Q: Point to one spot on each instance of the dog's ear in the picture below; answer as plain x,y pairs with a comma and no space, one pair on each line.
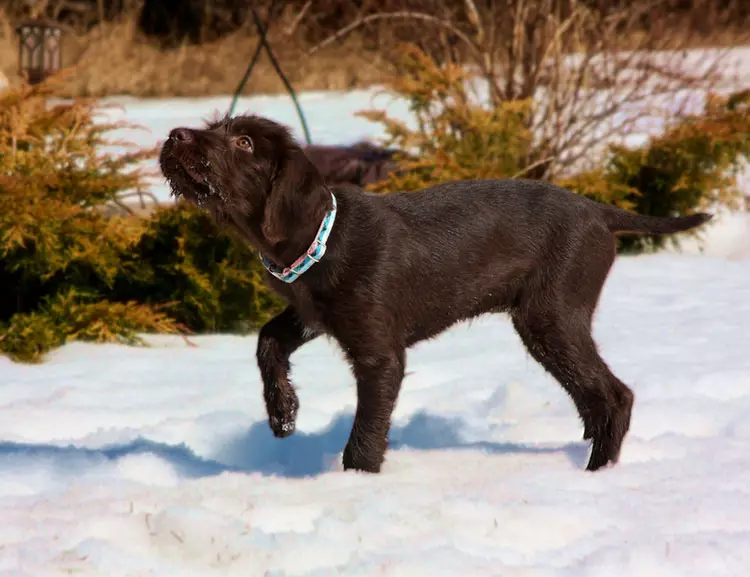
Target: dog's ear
297,199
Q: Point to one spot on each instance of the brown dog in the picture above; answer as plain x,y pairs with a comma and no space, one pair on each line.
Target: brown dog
360,164
380,273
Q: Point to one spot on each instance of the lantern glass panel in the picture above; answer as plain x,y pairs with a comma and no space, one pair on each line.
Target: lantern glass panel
39,49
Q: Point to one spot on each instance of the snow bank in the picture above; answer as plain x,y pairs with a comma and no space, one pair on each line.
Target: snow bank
124,461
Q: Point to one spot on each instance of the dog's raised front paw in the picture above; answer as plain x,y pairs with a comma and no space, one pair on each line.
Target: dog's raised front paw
281,428
282,417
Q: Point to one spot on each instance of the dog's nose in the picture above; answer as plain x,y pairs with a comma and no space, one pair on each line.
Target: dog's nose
181,135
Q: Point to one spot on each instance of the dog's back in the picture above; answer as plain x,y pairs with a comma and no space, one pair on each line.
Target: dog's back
479,244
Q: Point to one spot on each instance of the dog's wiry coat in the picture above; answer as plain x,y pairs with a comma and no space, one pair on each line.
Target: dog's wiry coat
403,267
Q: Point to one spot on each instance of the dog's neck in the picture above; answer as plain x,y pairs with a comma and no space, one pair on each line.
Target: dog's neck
297,257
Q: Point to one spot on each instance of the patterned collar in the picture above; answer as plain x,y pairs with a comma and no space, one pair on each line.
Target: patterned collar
312,255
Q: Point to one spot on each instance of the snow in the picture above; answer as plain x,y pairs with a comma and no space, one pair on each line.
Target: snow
158,461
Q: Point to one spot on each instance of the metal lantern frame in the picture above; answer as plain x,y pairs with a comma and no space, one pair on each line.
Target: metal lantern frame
39,49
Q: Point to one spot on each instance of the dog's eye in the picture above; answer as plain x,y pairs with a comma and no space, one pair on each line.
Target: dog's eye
245,142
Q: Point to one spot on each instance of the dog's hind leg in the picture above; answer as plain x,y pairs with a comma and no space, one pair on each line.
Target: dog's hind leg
554,323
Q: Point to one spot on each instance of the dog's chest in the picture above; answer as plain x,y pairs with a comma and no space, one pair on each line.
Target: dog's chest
309,308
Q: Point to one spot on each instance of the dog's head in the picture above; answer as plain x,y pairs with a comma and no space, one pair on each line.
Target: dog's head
249,171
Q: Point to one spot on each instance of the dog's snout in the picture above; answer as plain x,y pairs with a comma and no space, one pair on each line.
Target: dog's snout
181,135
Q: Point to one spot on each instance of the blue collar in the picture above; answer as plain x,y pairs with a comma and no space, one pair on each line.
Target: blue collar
314,253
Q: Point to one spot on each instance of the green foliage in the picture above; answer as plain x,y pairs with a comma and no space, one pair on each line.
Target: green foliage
692,166
55,244
69,316
201,275
454,137
70,271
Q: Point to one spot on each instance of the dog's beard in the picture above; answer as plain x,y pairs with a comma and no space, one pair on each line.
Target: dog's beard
190,178
212,182
183,183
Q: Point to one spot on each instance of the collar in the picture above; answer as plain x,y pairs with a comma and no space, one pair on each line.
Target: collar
312,255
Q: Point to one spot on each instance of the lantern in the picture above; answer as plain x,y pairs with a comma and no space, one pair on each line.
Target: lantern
39,49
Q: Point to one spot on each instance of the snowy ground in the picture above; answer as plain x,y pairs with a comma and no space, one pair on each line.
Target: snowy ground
119,461
122,461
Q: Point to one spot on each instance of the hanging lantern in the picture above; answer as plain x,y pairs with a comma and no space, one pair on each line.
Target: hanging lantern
39,49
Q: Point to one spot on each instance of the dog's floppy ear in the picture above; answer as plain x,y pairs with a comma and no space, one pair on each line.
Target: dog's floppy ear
297,199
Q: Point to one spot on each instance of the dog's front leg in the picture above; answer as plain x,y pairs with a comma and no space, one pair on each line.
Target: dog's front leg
277,341
379,379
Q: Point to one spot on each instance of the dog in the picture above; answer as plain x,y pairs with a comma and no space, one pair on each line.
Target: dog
361,164
381,272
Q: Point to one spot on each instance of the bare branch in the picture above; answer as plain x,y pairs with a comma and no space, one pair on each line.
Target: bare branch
586,82
405,15
475,20
529,168
140,194
297,19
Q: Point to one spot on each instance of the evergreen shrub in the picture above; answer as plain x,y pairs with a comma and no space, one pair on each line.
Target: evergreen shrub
69,269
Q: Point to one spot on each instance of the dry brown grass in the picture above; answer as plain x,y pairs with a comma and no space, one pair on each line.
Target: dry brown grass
8,48
115,59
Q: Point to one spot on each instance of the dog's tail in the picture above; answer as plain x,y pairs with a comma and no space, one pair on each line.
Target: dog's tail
623,222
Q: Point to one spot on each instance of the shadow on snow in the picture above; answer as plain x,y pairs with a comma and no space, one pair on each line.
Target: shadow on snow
300,455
